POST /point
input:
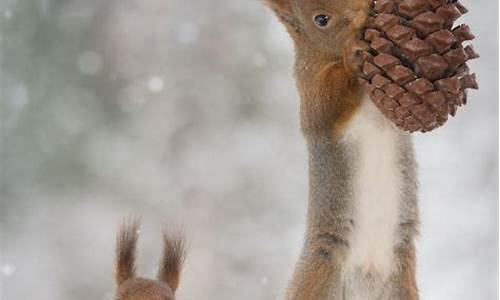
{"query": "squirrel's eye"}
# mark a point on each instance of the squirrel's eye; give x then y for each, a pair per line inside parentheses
(322, 20)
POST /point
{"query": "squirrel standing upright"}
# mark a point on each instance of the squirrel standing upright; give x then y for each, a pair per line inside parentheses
(362, 217)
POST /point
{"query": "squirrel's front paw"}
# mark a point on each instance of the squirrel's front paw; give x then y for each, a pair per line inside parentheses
(351, 55)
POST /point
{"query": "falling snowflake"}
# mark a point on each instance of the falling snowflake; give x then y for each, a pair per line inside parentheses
(8, 270)
(155, 84)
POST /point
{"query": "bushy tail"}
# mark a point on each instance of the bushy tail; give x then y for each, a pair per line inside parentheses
(126, 250)
(174, 254)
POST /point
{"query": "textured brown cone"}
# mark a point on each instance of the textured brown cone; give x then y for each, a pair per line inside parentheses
(415, 69)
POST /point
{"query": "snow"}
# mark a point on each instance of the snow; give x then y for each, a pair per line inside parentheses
(155, 84)
(8, 269)
(186, 112)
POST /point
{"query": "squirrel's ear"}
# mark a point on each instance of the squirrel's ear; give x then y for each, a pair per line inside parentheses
(125, 250)
(279, 5)
(174, 254)
(283, 9)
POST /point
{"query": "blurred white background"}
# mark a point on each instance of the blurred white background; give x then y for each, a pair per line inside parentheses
(186, 112)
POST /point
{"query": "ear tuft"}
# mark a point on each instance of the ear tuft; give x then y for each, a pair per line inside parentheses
(126, 244)
(174, 254)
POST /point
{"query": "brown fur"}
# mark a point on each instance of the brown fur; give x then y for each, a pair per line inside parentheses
(325, 60)
(172, 260)
(326, 74)
(126, 251)
(315, 279)
(408, 281)
(130, 287)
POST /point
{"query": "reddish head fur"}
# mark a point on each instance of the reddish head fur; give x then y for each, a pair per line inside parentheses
(325, 58)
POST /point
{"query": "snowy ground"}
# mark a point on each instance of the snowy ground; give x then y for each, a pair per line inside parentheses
(186, 112)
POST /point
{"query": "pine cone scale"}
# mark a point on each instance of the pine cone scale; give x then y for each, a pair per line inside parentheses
(415, 70)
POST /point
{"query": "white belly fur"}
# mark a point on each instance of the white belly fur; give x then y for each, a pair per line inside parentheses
(377, 193)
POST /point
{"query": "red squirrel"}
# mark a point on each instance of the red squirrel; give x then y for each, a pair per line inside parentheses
(132, 287)
(362, 218)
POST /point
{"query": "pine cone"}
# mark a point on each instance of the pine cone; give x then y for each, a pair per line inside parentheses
(415, 69)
